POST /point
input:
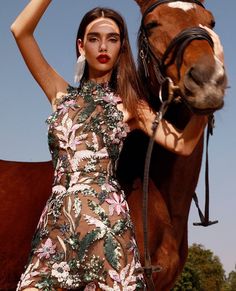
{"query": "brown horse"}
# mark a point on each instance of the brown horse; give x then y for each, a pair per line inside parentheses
(24, 189)
(171, 44)
(200, 79)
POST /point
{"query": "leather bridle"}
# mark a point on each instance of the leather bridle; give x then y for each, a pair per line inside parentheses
(176, 47)
(146, 57)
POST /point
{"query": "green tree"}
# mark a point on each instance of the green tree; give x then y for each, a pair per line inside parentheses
(231, 281)
(203, 271)
(189, 279)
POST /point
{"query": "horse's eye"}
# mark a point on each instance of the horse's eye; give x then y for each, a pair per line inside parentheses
(151, 25)
(213, 23)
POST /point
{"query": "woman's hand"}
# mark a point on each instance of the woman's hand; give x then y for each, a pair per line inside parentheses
(218, 48)
(181, 142)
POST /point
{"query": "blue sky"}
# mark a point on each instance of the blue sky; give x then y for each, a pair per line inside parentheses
(24, 108)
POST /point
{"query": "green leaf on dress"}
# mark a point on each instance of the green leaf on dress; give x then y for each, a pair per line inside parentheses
(96, 208)
(88, 240)
(86, 112)
(46, 284)
(112, 251)
(120, 226)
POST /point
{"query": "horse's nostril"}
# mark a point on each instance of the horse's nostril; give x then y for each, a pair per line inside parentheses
(200, 73)
(222, 81)
(194, 75)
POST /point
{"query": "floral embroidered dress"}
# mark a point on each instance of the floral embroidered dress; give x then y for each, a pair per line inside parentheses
(85, 236)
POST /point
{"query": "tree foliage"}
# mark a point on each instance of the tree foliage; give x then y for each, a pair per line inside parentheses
(231, 281)
(203, 271)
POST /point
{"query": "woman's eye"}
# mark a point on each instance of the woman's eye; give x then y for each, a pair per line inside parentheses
(92, 39)
(113, 39)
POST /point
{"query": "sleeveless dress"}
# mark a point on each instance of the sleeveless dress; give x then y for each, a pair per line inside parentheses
(85, 236)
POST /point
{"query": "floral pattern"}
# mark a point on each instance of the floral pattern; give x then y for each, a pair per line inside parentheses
(46, 250)
(85, 235)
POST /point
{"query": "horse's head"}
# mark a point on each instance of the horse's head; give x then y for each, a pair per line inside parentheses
(171, 43)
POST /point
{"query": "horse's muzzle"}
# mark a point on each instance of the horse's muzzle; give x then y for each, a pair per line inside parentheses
(203, 86)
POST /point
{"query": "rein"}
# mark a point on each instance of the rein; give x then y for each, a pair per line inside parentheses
(147, 56)
(204, 218)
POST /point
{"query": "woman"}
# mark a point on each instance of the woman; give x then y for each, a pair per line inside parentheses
(85, 236)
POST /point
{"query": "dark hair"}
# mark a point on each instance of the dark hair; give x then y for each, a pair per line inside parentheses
(124, 79)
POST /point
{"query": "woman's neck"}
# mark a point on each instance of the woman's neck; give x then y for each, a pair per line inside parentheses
(100, 78)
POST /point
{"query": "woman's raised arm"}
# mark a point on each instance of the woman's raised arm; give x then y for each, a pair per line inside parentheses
(23, 29)
(178, 141)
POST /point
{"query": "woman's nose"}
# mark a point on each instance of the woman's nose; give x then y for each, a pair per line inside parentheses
(103, 47)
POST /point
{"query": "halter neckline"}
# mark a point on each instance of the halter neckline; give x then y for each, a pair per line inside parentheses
(93, 85)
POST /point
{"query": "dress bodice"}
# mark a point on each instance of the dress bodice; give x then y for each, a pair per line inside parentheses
(86, 131)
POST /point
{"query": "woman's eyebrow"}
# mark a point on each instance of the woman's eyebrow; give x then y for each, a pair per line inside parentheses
(108, 34)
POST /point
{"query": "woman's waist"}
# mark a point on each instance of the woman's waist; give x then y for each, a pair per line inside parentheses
(84, 175)
(85, 180)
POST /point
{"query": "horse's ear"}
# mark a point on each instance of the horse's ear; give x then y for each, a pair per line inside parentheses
(141, 3)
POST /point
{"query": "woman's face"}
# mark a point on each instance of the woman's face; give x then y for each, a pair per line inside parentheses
(101, 47)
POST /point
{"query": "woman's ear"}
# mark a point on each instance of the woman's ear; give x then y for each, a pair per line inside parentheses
(80, 46)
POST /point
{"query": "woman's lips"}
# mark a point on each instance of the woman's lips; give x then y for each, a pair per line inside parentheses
(103, 59)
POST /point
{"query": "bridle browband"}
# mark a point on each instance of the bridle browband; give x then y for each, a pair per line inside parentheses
(146, 56)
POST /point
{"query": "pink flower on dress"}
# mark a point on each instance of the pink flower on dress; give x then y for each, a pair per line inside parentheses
(46, 249)
(124, 129)
(66, 105)
(108, 187)
(119, 133)
(111, 98)
(126, 278)
(117, 204)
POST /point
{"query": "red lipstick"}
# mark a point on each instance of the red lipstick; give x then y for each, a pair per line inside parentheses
(103, 58)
